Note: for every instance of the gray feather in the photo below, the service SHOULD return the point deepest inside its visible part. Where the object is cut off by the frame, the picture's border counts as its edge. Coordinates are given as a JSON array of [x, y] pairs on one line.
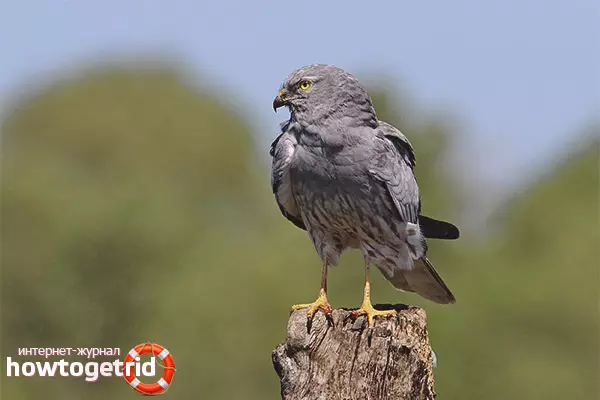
[[393, 168], [281, 181], [424, 280], [401, 142]]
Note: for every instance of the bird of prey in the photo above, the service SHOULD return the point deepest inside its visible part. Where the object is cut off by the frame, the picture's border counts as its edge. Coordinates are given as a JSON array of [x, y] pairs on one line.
[[347, 179]]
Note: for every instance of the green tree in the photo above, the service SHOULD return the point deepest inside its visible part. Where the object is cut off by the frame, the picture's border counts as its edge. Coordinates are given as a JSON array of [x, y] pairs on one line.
[[130, 212], [526, 323]]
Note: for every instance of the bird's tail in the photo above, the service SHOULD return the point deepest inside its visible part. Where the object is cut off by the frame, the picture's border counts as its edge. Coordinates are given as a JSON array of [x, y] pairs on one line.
[[422, 279], [436, 229]]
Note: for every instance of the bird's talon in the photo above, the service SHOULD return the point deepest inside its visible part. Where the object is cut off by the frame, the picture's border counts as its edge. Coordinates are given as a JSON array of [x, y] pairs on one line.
[[369, 334], [320, 304], [368, 310], [329, 318]]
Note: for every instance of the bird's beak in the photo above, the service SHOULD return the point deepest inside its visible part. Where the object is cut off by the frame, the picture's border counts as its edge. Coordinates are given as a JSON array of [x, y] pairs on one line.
[[280, 100]]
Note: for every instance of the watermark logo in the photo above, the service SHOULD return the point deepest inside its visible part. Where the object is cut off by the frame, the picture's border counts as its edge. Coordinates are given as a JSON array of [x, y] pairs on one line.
[[132, 361], [131, 368]]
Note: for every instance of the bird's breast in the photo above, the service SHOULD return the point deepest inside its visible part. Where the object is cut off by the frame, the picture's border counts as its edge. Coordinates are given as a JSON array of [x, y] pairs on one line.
[[316, 169], [331, 192]]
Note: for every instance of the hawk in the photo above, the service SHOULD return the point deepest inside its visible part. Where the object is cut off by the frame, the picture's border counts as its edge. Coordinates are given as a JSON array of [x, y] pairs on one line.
[[348, 179]]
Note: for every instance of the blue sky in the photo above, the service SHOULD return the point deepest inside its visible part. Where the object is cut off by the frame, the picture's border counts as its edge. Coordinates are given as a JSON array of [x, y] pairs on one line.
[[521, 75]]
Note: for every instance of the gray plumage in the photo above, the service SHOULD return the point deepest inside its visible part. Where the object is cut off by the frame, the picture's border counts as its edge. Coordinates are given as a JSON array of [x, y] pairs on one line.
[[347, 178]]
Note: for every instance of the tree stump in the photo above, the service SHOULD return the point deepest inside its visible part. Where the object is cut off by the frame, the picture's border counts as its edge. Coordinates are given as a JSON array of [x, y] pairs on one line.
[[342, 360]]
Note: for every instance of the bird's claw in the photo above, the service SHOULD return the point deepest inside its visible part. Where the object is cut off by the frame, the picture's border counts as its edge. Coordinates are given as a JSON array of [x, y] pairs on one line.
[[369, 334], [320, 304], [368, 310]]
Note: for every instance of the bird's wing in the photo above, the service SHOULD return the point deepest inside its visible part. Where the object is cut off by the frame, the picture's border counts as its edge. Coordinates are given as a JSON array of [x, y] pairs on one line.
[[393, 165], [431, 228], [400, 141], [282, 150]]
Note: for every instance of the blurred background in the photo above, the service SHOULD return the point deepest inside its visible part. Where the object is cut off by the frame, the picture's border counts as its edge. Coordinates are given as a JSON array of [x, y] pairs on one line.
[[136, 205]]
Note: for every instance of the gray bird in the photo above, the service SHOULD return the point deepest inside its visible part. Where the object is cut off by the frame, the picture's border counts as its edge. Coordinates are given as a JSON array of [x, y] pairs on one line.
[[347, 179]]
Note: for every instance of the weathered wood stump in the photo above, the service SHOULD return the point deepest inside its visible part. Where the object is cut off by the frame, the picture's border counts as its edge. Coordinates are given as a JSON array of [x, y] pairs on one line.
[[340, 361]]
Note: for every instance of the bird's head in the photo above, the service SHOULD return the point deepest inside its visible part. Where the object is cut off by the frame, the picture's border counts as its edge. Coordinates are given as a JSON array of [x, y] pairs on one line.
[[318, 93]]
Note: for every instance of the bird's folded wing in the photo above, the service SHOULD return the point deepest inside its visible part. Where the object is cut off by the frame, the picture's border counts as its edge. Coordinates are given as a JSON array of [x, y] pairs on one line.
[[392, 165], [282, 150], [400, 142]]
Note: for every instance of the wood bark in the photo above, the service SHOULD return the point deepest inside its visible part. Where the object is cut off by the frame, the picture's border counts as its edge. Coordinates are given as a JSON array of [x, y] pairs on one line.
[[342, 360]]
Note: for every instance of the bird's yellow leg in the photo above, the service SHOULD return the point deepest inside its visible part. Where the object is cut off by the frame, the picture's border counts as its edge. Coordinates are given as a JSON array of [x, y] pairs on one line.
[[321, 303], [366, 307]]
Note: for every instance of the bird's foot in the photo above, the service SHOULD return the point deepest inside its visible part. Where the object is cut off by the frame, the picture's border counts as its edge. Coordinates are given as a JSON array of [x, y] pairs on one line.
[[320, 304], [367, 309]]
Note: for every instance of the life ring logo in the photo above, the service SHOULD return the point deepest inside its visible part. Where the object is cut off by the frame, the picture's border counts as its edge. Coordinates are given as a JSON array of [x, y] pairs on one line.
[[132, 369]]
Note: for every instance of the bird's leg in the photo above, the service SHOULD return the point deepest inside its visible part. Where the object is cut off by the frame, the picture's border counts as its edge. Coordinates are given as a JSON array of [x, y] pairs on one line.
[[321, 303], [366, 307]]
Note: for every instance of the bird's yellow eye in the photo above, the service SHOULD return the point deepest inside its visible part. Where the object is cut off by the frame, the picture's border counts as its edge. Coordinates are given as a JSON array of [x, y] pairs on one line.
[[305, 85]]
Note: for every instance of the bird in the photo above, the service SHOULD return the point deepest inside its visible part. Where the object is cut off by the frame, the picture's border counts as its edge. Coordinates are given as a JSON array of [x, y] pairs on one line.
[[347, 178]]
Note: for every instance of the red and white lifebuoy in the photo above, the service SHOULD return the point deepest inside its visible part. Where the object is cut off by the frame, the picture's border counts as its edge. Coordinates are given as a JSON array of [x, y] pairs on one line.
[[168, 364]]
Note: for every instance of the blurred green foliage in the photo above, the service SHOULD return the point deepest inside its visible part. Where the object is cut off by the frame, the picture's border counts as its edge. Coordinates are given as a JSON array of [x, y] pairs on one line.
[[134, 208]]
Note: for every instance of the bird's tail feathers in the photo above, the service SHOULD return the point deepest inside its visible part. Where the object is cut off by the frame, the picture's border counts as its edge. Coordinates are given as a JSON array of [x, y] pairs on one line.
[[436, 229], [422, 279]]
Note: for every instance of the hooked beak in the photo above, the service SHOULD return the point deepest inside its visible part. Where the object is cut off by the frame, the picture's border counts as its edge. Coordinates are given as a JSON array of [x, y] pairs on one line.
[[280, 100]]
